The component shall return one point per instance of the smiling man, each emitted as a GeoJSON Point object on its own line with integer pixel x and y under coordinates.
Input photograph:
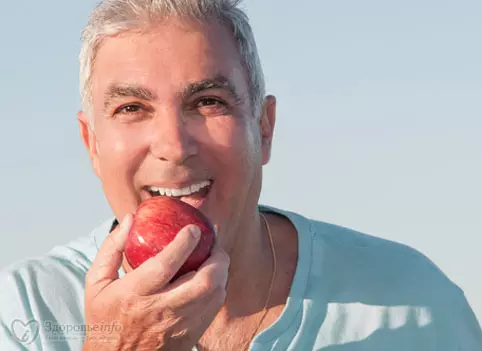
{"type": "Point", "coordinates": [174, 105]}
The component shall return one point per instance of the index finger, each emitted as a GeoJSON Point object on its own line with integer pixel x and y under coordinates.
{"type": "Point", "coordinates": [105, 267]}
{"type": "Point", "coordinates": [157, 271]}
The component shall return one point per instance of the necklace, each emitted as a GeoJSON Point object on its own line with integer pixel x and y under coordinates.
{"type": "Point", "coordinates": [273, 275]}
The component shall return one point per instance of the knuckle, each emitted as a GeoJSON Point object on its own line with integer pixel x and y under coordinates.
{"type": "Point", "coordinates": [165, 271]}
{"type": "Point", "coordinates": [206, 285]}
{"type": "Point", "coordinates": [135, 304]}
{"type": "Point", "coordinates": [127, 303]}
{"type": "Point", "coordinates": [160, 268]}
{"type": "Point", "coordinates": [212, 280]}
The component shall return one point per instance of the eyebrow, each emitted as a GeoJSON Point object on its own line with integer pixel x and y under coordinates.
{"type": "Point", "coordinates": [117, 91]}
{"type": "Point", "coordinates": [217, 82]}
{"type": "Point", "coordinates": [220, 81]}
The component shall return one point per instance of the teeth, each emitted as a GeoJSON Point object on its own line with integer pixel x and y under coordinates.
{"type": "Point", "coordinates": [188, 190]}
{"type": "Point", "coordinates": [176, 192]}
{"type": "Point", "coordinates": [185, 191]}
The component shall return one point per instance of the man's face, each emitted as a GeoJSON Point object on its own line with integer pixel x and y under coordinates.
{"type": "Point", "coordinates": [172, 116]}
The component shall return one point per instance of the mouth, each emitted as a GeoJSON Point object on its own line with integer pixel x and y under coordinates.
{"type": "Point", "coordinates": [193, 194]}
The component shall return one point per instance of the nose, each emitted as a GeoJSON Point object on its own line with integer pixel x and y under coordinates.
{"type": "Point", "coordinates": [171, 140]}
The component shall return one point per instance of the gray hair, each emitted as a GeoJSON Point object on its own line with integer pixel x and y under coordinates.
{"type": "Point", "coordinates": [112, 17]}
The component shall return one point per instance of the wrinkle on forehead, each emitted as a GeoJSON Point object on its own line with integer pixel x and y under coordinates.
{"type": "Point", "coordinates": [204, 53]}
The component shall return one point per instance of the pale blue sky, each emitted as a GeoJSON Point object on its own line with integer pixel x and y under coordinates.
{"type": "Point", "coordinates": [379, 123]}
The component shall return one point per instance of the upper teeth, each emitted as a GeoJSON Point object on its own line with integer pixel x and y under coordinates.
{"type": "Point", "coordinates": [188, 190]}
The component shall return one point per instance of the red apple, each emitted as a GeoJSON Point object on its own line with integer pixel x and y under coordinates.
{"type": "Point", "coordinates": [156, 223]}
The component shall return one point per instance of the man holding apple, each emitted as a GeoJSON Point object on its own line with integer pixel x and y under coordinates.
{"type": "Point", "coordinates": [174, 106]}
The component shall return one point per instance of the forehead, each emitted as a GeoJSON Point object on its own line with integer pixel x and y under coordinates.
{"type": "Point", "coordinates": [167, 57]}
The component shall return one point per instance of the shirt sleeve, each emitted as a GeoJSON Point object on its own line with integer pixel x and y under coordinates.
{"type": "Point", "coordinates": [467, 328]}
{"type": "Point", "coordinates": [41, 305]}
{"type": "Point", "coordinates": [18, 328]}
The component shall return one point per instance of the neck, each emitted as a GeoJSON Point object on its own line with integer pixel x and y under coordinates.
{"type": "Point", "coordinates": [249, 245]}
{"type": "Point", "coordinates": [251, 268]}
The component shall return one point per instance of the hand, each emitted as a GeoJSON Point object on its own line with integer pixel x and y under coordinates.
{"type": "Point", "coordinates": [142, 310]}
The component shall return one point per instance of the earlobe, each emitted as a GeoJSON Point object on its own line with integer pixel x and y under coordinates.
{"type": "Point", "coordinates": [89, 140]}
{"type": "Point", "coordinates": [84, 129]}
{"type": "Point", "coordinates": [267, 122]}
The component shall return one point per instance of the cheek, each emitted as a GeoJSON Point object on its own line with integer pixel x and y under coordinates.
{"type": "Point", "coordinates": [120, 152]}
{"type": "Point", "coordinates": [234, 142]}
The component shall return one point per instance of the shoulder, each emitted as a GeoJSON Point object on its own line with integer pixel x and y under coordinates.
{"type": "Point", "coordinates": [363, 271]}
{"type": "Point", "coordinates": [58, 271]}
{"type": "Point", "coordinates": [62, 263]}
{"type": "Point", "coordinates": [44, 289]}
{"type": "Point", "coordinates": [381, 263]}
{"type": "Point", "coordinates": [49, 280]}
{"type": "Point", "coordinates": [384, 283]}
{"type": "Point", "coordinates": [348, 257]}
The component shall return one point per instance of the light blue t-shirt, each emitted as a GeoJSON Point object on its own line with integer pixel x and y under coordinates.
{"type": "Point", "coordinates": [351, 292]}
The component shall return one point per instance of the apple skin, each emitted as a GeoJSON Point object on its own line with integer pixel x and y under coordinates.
{"type": "Point", "coordinates": [156, 223]}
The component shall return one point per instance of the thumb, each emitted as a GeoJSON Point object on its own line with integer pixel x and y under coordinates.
{"type": "Point", "coordinates": [105, 268]}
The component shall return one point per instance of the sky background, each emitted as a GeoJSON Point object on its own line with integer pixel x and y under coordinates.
{"type": "Point", "coordinates": [378, 129]}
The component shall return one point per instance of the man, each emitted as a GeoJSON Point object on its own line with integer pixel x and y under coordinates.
{"type": "Point", "coordinates": [174, 103]}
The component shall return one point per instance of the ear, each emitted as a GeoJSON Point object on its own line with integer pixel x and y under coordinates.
{"type": "Point", "coordinates": [90, 141]}
{"type": "Point", "coordinates": [267, 122]}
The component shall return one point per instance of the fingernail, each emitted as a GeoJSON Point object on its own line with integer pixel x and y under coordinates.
{"type": "Point", "coordinates": [195, 231]}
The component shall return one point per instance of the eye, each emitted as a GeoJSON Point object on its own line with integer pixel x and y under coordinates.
{"type": "Point", "coordinates": [208, 102]}
{"type": "Point", "coordinates": [132, 112]}
{"type": "Point", "coordinates": [129, 109]}
{"type": "Point", "coordinates": [211, 106]}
